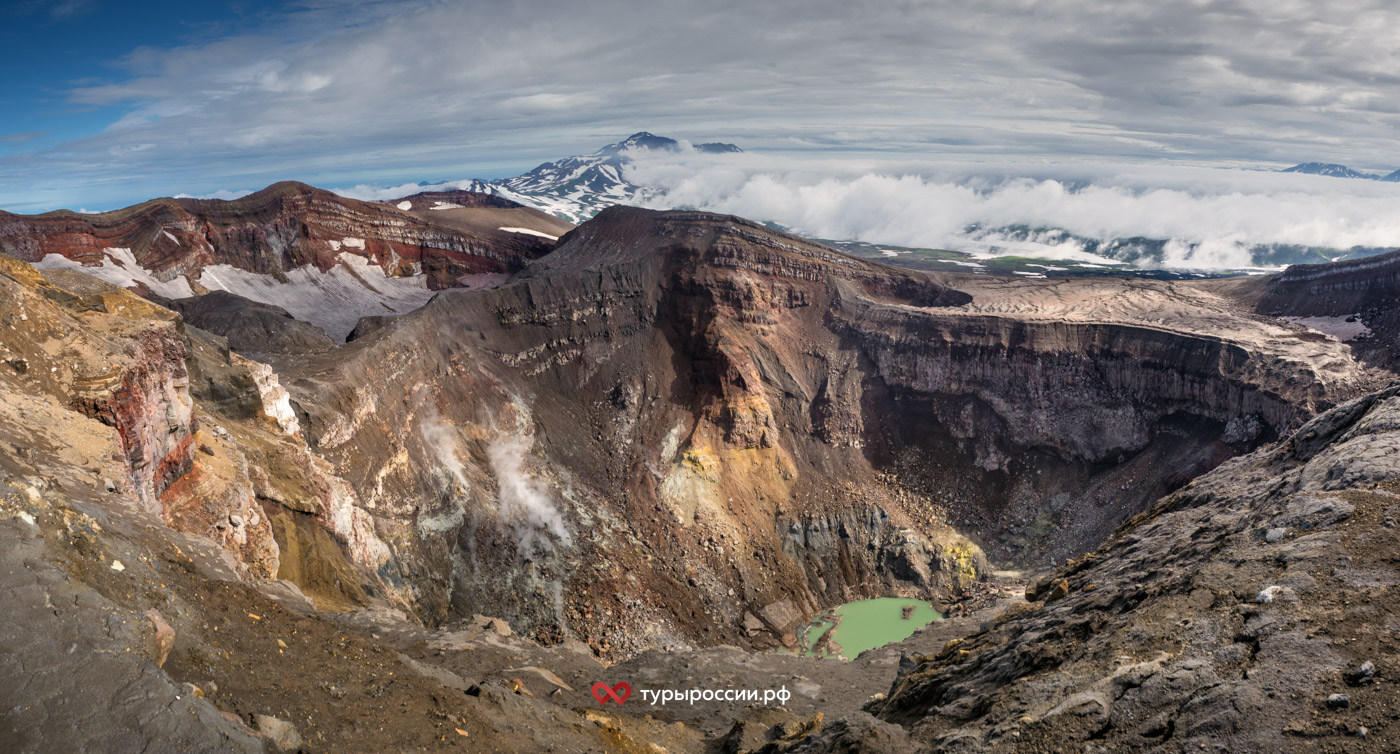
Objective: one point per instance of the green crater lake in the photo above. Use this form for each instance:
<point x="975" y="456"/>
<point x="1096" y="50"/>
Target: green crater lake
<point x="854" y="627"/>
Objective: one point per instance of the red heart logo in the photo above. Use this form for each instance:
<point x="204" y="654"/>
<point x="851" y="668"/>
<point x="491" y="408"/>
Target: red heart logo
<point x="619" y="693"/>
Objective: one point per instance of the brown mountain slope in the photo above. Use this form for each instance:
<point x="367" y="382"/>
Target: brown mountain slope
<point x="681" y="430"/>
<point x="733" y="427"/>
<point x="141" y="480"/>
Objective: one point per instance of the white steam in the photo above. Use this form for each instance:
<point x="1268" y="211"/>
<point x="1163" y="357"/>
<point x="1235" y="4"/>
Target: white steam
<point x="524" y="504"/>
<point x="1212" y="217"/>
<point x="371" y="193"/>
<point x="441" y="440"/>
<point x="368" y="192"/>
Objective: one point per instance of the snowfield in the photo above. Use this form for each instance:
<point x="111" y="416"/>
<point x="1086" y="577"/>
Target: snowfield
<point x="529" y="232"/>
<point x="334" y="300"/>
<point x="119" y="267"/>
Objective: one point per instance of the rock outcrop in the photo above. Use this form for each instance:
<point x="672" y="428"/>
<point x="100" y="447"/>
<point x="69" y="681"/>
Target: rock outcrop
<point x="251" y="327"/>
<point x="97" y="351"/>
<point x="149" y="406"/>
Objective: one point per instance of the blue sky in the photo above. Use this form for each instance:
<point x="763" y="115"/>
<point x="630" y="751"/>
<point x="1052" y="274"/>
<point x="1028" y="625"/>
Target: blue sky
<point x="106" y="104"/>
<point x="51" y="47"/>
<point x="52" y="51"/>
<point x="48" y="49"/>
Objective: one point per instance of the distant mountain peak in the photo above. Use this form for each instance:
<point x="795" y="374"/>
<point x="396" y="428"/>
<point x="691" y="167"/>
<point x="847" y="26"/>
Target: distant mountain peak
<point x="717" y="147"/>
<point x="1329" y="169"/>
<point x="646" y="140"/>
<point x="576" y="188"/>
<point x="642" y="140"/>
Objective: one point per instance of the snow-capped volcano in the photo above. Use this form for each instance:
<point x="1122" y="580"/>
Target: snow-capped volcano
<point x="577" y="188"/>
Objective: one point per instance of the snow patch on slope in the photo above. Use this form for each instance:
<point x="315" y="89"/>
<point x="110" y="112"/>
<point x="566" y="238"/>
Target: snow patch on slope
<point x="1341" y="329"/>
<point x="527" y="231"/>
<point x="119" y="267"/>
<point x="334" y="300"/>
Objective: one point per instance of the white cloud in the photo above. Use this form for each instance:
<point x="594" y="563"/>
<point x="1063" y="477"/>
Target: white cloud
<point x="1212" y="217"/>
<point x="372" y="193"/>
<point x="356" y="90"/>
<point x="223" y="194"/>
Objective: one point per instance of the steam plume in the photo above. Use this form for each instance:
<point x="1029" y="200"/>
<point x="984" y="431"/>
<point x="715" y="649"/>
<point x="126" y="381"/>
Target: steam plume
<point x="524" y="505"/>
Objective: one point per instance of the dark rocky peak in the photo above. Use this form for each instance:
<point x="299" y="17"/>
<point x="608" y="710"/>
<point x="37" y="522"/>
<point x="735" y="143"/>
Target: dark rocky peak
<point x="622" y="233"/>
<point x="717" y="147"/>
<point x="1328" y="169"/>
<point x="714" y="251"/>
<point x="251" y="327"/>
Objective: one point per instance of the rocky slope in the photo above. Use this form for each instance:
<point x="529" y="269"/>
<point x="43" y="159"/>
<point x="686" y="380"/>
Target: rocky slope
<point x="517" y="473"/>
<point x="1350" y="302"/>
<point x="685" y="429"/>
<point x="95" y="351"/>
<point x="138" y="505"/>
<point x="677" y="431"/>
<point x="1251" y="610"/>
<point x="142" y="624"/>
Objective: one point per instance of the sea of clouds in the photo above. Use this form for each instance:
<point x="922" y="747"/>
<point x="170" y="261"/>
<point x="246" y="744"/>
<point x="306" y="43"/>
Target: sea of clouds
<point x="1211" y="218"/>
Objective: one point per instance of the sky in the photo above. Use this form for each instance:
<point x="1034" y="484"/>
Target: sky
<point x="104" y="104"/>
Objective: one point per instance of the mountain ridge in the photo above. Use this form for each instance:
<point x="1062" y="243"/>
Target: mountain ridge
<point x="652" y="453"/>
<point x="347" y="258"/>
<point x="1334" y="170"/>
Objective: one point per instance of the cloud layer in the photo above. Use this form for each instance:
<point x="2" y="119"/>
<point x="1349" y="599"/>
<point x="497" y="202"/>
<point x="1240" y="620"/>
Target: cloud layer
<point x="340" y="91"/>
<point x="1214" y="217"/>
